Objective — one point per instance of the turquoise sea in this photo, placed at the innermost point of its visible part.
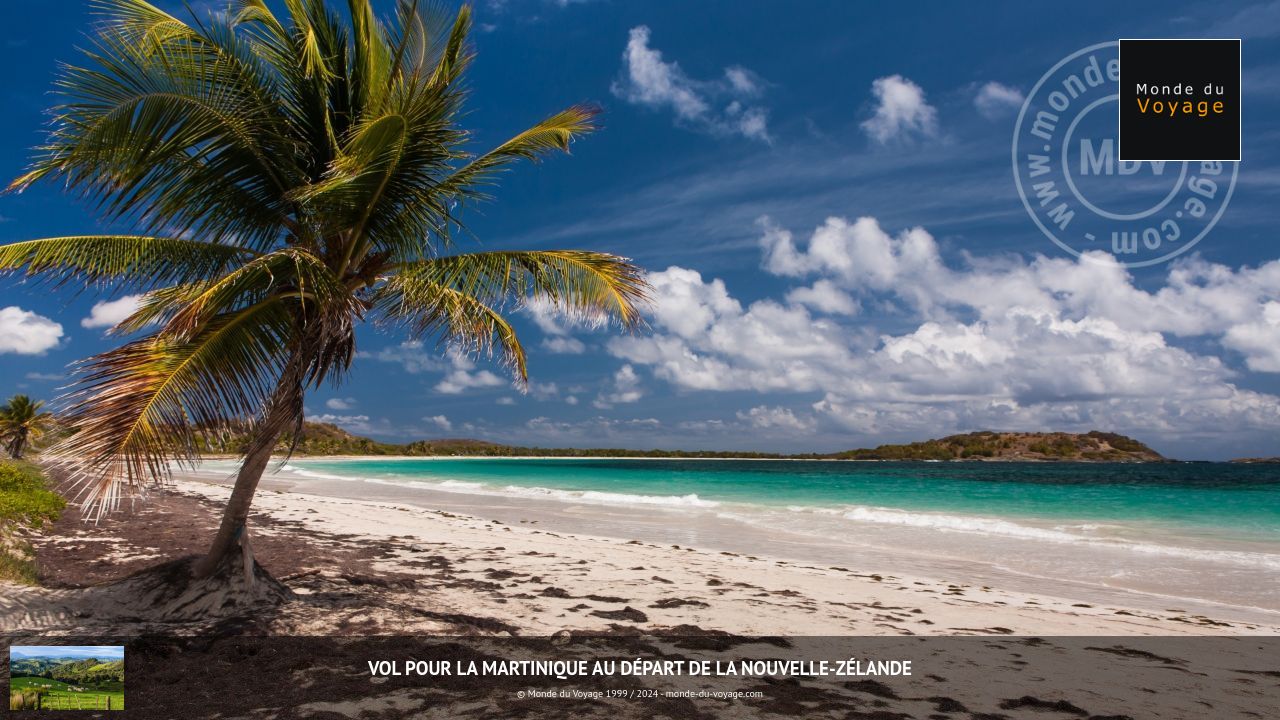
(1208, 531)
(1232, 501)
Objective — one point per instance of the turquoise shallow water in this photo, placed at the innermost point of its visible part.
(1206, 501)
(1174, 534)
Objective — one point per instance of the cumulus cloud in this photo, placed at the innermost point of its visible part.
(464, 376)
(901, 111)
(597, 430)
(626, 389)
(564, 346)
(556, 324)
(824, 296)
(995, 101)
(110, 313)
(764, 417)
(460, 371)
(340, 403)
(544, 391)
(994, 342)
(352, 423)
(440, 421)
(412, 355)
(23, 332)
(45, 377)
(1258, 339)
(720, 107)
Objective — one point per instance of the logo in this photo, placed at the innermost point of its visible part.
(1180, 100)
(1082, 196)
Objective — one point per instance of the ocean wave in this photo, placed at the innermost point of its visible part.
(972, 524)
(594, 497)
(610, 498)
(1084, 533)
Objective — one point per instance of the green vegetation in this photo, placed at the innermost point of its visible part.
(1092, 446)
(21, 423)
(326, 439)
(26, 504)
(65, 684)
(286, 172)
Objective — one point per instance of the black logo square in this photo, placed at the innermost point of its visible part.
(1179, 100)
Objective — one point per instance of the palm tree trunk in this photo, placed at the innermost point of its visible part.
(19, 444)
(281, 412)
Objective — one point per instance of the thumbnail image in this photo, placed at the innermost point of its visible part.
(66, 677)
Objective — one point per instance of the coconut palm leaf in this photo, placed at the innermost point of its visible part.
(127, 262)
(459, 298)
(22, 422)
(141, 406)
(282, 171)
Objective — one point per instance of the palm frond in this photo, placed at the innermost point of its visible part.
(174, 129)
(318, 162)
(126, 261)
(143, 405)
(460, 297)
(455, 319)
(289, 272)
(555, 133)
(582, 284)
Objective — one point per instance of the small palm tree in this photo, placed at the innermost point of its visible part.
(285, 179)
(21, 423)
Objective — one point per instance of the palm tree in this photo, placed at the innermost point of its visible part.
(283, 181)
(22, 422)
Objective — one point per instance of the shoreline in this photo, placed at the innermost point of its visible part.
(1149, 562)
(1046, 598)
(372, 565)
(1035, 461)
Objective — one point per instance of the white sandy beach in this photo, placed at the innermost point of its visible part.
(540, 567)
(548, 579)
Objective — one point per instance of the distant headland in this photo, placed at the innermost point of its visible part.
(321, 439)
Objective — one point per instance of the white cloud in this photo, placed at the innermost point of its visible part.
(110, 313)
(901, 111)
(707, 341)
(626, 389)
(352, 423)
(340, 403)
(824, 296)
(460, 372)
(1258, 339)
(556, 323)
(440, 421)
(411, 355)
(595, 431)
(46, 377)
(743, 81)
(995, 101)
(25, 333)
(1049, 343)
(506, 400)
(719, 107)
(564, 346)
(775, 418)
(544, 391)
(464, 376)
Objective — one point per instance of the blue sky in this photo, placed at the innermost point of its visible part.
(101, 652)
(823, 196)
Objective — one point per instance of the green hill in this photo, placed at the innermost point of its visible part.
(87, 671)
(1093, 446)
(326, 439)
